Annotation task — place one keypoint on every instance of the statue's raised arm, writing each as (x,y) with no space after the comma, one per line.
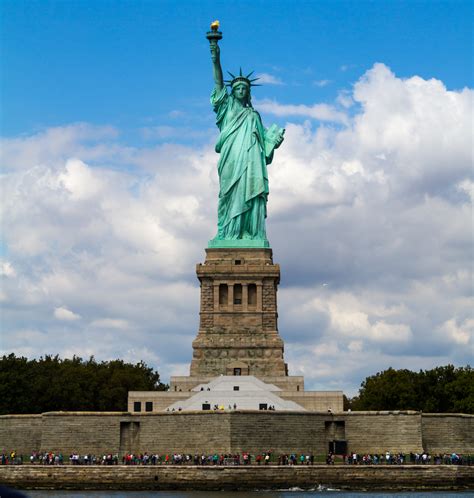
(214,36)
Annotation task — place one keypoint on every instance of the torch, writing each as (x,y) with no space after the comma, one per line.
(214,35)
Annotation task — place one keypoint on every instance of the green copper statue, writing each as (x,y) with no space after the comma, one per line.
(245,149)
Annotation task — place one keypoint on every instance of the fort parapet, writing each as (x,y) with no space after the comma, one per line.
(236,432)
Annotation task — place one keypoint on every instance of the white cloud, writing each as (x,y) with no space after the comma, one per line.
(267,79)
(467,186)
(111,323)
(174,132)
(321,112)
(321,83)
(79,180)
(461,334)
(63,313)
(345,99)
(371,224)
(7,269)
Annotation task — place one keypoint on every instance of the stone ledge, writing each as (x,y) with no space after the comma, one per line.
(163,477)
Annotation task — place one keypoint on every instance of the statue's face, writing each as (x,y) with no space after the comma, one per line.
(241,92)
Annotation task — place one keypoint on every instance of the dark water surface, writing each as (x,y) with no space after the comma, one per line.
(292,493)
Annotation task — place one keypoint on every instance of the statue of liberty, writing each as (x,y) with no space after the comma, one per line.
(245,148)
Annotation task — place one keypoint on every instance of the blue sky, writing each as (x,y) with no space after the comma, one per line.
(109,182)
(129,63)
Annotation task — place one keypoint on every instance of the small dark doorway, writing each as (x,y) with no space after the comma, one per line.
(252,295)
(129,437)
(223,294)
(237,371)
(237,293)
(338,447)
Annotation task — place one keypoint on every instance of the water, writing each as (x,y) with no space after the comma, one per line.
(245,494)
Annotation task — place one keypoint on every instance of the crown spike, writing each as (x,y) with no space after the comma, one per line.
(241,78)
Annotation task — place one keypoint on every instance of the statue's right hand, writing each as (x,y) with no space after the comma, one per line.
(215,51)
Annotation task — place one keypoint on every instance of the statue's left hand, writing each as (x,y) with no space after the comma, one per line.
(279,140)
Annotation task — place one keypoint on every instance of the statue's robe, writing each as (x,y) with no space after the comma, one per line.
(242,169)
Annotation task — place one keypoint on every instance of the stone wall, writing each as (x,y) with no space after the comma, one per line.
(444,432)
(280,432)
(160,399)
(186,432)
(84,432)
(20,433)
(316,401)
(369,432)
(253,431)
(164,477)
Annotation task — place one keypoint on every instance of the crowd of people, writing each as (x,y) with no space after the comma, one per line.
(389,458)
(245,458)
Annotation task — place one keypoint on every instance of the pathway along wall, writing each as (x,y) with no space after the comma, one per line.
(390,477)
(235,432)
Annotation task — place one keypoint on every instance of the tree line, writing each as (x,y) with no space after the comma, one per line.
(53,384)
(445,389)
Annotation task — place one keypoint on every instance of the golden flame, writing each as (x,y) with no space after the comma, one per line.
(215,25)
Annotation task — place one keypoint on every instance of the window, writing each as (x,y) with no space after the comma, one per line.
(237,371)
(238,294)
(149,406)
(137,406)
(206,406)
(252,295)
(297,388)
(238,261)
(236,388)
(223,294)
(263,406)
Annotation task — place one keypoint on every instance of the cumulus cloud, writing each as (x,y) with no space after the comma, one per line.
(321,112)
(7,269)
(268,79)
(173,132)
(110,323)
(63,313)
(371,223)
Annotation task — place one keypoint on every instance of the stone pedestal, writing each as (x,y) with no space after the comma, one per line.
(238,333)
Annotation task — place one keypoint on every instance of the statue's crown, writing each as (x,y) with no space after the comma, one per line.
(241,79)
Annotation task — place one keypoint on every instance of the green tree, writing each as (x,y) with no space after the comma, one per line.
(51,384)
(444,389)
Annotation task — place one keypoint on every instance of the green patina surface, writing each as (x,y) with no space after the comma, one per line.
(238,243)
(246,147)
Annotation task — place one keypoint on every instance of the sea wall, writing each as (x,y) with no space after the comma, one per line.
(84,432)
(236,432)
(372,432)
(392,477)
(445,430)
(20,433)
(281,432)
